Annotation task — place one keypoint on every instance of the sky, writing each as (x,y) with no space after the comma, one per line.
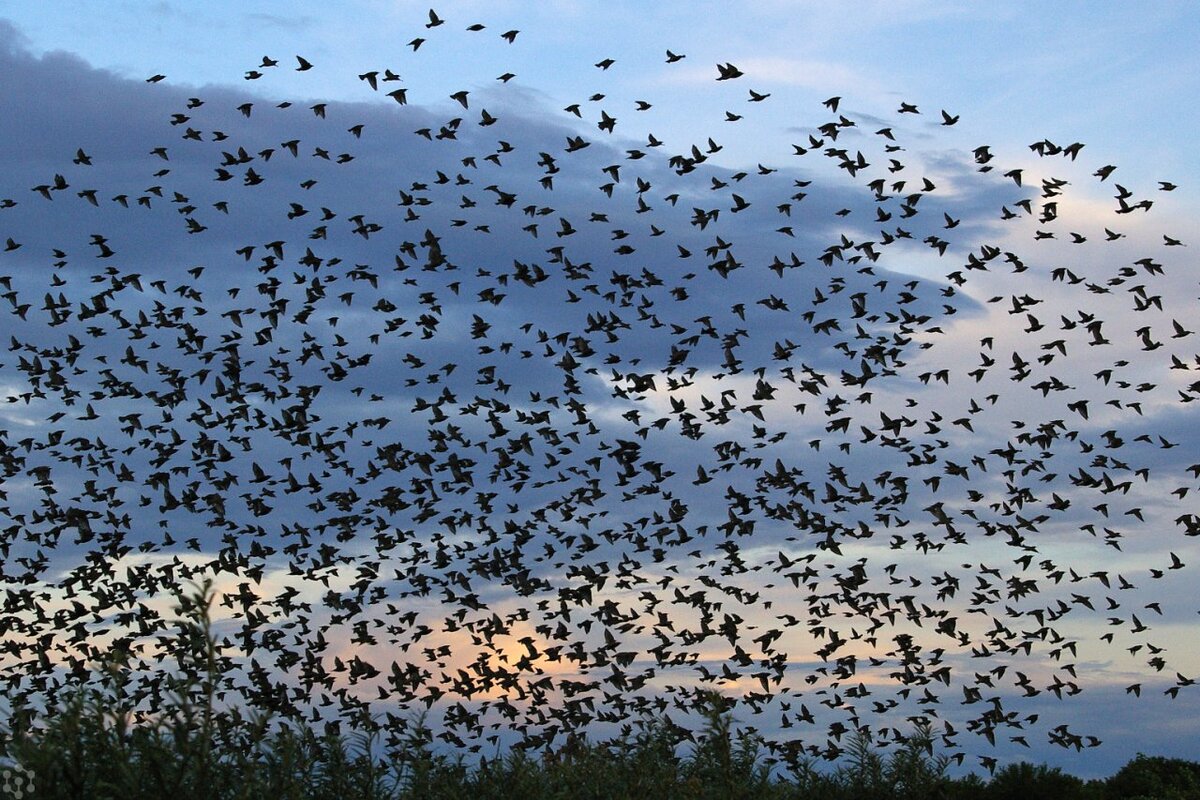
(524,445)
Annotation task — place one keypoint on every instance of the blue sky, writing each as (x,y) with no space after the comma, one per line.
(1118,79)
(1119,72)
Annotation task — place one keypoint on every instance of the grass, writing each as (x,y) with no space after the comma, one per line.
(90,747)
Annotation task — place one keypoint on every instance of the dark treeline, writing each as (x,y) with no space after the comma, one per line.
(87,746)
(84,752)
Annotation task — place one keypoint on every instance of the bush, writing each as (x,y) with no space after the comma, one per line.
(1156,777)
(1025,781)
(92,743)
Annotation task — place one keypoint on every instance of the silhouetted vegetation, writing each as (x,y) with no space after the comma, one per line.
(88,747)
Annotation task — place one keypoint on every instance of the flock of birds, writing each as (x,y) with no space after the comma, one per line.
(552,467)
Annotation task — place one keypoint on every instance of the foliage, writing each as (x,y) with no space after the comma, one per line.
(1157,777)
(92,745)
(1025,781)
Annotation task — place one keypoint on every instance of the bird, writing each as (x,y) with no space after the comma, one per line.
(727,72)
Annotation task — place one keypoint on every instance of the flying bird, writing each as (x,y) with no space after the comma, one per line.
(727,72)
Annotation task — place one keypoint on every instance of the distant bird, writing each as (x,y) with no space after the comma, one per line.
(727,72)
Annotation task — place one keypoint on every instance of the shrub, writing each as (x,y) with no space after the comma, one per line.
(1157,777)
(1025,781)
(92,743)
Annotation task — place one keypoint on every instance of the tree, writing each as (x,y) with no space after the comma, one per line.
(1157,777)
(1025,781)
